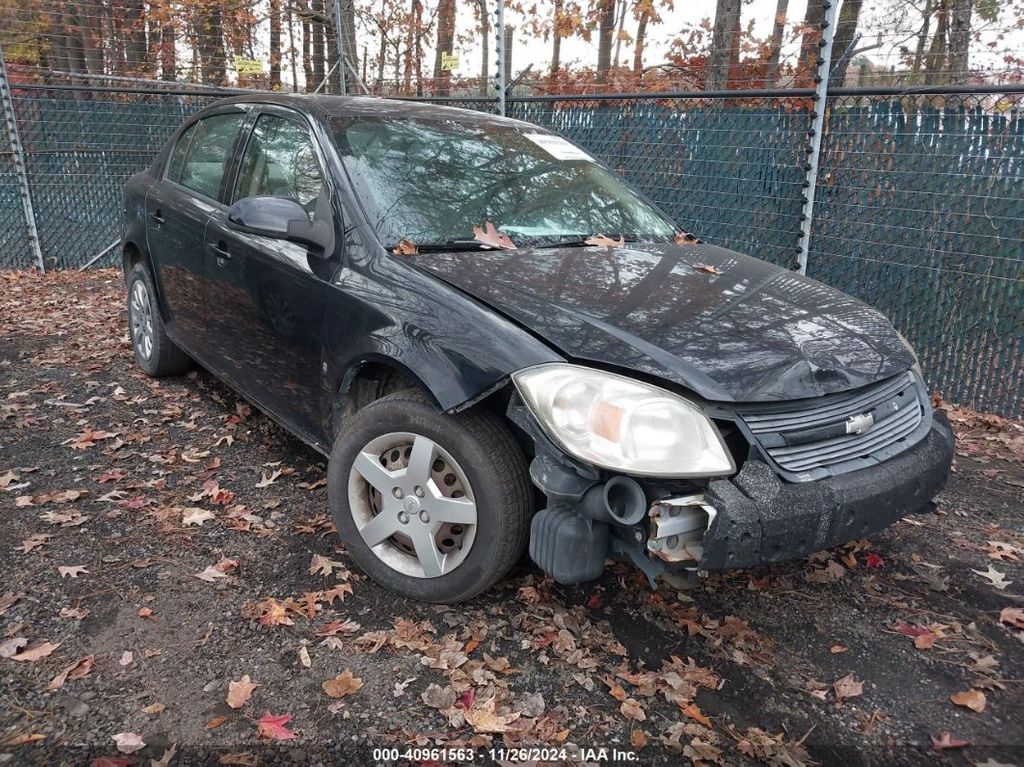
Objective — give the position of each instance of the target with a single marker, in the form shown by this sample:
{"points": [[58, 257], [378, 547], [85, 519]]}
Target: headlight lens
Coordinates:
{"points": [[621, 424]]}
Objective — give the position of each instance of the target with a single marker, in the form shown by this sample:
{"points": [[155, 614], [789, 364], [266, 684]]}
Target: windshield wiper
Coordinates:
{"points": [[445, 246], [576, 241]]}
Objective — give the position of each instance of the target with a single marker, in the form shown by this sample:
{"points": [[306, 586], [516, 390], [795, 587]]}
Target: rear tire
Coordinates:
{"points": [[155, 353], [473, 458]]}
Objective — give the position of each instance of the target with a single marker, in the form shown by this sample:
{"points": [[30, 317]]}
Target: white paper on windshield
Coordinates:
{"points": [[558, 147]]}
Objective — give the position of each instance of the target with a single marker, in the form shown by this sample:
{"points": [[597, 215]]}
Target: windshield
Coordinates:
{"points": [[433, 181]]}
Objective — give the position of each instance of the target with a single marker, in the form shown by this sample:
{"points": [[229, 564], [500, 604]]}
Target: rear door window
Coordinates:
{"points": [[203, 153]]}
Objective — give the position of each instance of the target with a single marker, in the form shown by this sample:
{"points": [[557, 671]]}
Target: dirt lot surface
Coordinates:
{"points": [[171, 583]]}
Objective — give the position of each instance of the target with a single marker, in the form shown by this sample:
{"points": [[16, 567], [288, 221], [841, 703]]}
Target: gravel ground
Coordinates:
{"points": [[164, 547]]}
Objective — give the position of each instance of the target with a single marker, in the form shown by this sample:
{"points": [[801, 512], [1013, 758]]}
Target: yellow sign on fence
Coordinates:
{"points": [[449, 61], [248, 66]]}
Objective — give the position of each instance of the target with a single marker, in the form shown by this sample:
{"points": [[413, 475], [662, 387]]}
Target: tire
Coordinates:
{"points": [[478, 448], [160, 357]]}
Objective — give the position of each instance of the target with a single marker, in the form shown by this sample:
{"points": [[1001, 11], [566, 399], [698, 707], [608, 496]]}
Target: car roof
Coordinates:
{"points": [[325, 107]]}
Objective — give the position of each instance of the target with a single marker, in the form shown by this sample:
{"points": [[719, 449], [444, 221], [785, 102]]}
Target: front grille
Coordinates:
{"points": [[810, 438]]}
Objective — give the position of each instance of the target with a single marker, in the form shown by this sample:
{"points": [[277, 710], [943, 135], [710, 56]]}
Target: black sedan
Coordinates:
{"points": [[500, 343]]}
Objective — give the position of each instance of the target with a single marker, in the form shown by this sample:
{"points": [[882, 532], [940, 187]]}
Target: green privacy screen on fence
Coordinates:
{"points": [[920, 200]]}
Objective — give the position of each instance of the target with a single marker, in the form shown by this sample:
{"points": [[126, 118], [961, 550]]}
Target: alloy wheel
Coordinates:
{"points": [[141, 319], [412, 504]]}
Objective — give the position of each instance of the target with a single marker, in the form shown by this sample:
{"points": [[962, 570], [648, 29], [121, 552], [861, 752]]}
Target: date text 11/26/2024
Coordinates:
{"points": [[505, 755]]}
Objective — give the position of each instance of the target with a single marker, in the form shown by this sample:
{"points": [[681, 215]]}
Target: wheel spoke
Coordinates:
{"points": [[420, 460], [378, 529], [455, 511], [427, 553], [369, 468]]}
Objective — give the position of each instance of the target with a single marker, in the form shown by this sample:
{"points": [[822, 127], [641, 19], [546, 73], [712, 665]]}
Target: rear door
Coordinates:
{"points": [[178, 207], [266, 291]]}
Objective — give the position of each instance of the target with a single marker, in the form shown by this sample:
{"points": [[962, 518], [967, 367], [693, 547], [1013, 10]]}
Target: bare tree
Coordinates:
{"points": [[771, 74], [723, 49], [605, 32], [445, 43]]}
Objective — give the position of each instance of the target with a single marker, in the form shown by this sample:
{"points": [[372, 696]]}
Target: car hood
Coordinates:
{"points": [[727, 326]]}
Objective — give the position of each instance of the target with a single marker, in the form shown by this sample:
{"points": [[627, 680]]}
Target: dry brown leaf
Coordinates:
{"points": [[685, 238], [76, 670], [35, 653], [482, 718], [196, 516], [405, 248], [691, 710], [606, 242], [1012, 616], [492, 238], [239, 692], [154, 708], [631, 709], [217, 721], [244, 759], [10, 647], [707, 268], [342, 685], [848, 687], [972, 699], [129, 742]]}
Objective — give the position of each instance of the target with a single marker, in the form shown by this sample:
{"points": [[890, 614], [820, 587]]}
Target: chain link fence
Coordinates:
{"points": [[919, 208]]}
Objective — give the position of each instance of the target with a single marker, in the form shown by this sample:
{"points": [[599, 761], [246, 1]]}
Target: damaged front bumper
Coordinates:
{"points": [[751, 519], [761, 519]]}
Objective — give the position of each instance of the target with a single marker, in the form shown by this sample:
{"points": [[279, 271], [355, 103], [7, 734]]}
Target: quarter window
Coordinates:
{"points": [[279, 161], [203, 152]]}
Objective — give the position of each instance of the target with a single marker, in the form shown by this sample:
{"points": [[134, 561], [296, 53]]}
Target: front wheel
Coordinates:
{"points": [[431, 506]]}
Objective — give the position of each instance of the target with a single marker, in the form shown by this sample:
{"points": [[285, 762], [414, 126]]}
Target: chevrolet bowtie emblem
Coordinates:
{"points": [[858, 424]]}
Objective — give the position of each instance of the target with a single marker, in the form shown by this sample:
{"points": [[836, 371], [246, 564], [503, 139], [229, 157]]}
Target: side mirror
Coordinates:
{"points": [[284, 219]]}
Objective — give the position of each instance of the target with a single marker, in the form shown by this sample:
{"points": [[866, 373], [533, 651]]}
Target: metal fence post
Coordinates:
{"points": [[817, 128], [339, 33], [499, 54], [18, 153]]}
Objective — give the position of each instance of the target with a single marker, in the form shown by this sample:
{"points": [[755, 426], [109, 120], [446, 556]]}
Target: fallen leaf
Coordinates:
{"points": [[72, 571], [1012, 616], [145, 612], [606, 242], [273, 727], [637, 739], [685, 238], [129, 742], [438, 697], [994, 577], [482, 718], [165, 760], [8, 600], [23, 739], [847, 687], [76, 670], [216, 722], [267, 481], [631, 709], [10, 647], [707, 268], [944, 741], [343, 684], [972, 699], [210, 574], [405, 248], [304, 658], [321, 565], [35, 653], [873, 560], [691, 710], [492, 238], [837, 648], [338, 627], [244, 759], [239, 692], [154, 708], [196, 516]]}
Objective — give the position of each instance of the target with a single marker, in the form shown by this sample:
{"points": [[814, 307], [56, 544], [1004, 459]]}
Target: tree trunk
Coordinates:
{"points": [[959, 41], [348, 28], [168, 54], [332, 50], [935, 63], [317, 31], [211, 46], [844, 41], [556, 38], [922, 37], [641, 37], [771, 74], [275, 44], [445, 42], [133, 20], [623, 6], [605, 32], [291, 49], [307, 40], [485, 49], [809, 47], [723, 50]]}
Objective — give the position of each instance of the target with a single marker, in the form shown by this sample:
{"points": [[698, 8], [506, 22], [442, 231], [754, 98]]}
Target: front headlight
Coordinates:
{"points": [[621, 424]]}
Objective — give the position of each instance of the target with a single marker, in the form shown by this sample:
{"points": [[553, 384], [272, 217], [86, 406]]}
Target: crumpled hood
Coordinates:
{"points": [[755, 332]]}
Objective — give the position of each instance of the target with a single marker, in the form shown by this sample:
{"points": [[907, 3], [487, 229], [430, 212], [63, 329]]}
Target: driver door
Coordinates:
{"points": [[269, 301]]}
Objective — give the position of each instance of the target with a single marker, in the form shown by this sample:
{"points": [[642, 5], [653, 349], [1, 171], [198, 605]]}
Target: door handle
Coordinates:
{"points": [[157, 216], [219, 249]]}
